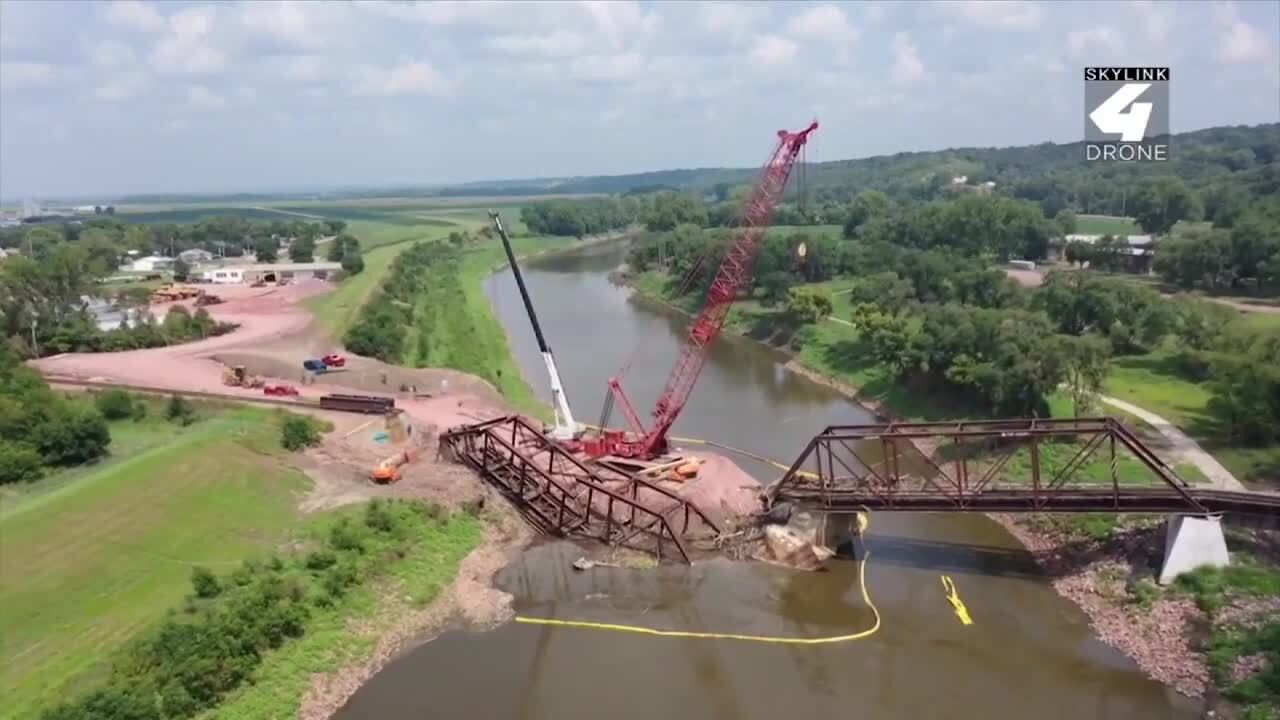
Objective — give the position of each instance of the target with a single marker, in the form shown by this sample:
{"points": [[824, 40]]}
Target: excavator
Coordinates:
{"points": [[387, 472]]}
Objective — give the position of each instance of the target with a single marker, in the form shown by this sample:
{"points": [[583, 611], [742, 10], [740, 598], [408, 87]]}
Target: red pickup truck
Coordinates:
{"points": [[333, 360]]}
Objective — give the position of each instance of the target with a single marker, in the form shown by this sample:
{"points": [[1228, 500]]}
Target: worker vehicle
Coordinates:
{"points": [[279, 390], [733, 275], [239, 377], [388, 471], [208, 299], [334, 360], [314, 365]]}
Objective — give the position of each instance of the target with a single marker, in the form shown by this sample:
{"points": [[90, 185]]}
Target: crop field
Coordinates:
{"points": [[192, 214], [1105, 225], [95, 559]]}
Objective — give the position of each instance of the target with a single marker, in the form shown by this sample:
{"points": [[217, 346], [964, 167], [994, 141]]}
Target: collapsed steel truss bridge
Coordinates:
{"points": [[561, 496]]}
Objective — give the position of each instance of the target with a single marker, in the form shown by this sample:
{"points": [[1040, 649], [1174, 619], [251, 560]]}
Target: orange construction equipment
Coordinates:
{"points": [[388, 471]]}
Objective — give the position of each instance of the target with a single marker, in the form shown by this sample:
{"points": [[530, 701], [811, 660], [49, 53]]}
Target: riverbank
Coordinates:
{"points": [[1091, 565]]}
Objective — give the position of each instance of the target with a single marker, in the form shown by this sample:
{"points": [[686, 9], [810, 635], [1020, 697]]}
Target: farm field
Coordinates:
{"points": [[1106, 225], [105, 553]]}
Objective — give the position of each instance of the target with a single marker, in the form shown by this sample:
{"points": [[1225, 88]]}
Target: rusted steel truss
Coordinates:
{"points": [[852, 466], [560, 495]]}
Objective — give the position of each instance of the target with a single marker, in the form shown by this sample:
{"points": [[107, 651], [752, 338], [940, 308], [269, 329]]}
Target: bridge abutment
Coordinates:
{"points": [[1190, 542]]}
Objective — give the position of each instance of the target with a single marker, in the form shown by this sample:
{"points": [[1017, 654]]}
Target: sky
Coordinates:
{"points": [[109, 98]]}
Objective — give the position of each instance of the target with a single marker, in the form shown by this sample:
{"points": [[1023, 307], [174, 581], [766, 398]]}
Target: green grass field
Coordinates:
{"points": [[1106, 225], [94, 557]]}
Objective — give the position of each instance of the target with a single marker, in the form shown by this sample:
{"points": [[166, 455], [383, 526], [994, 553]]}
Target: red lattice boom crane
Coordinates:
{"points": [[733, 275]]}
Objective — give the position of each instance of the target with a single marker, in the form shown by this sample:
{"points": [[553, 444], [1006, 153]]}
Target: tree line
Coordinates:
{"points": [[110, 239], [941, 319]]}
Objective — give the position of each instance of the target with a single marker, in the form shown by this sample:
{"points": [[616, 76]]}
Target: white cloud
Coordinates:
{"points": [[292, 22], [407, 79], [200, 97], [108, 54], [733, 21], [1155, 19], [608, 68], [1238, 41], [773, 50], [620, 20], [1080, 43], [18, 75], [560, 43], [135, 15], [120, 86], [996, 13], [495, 13], [822, 21], [187, 48], [299, 67], [907, 67]]}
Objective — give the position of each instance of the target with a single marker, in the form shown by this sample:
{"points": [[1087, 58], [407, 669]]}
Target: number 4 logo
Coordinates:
{"points": [[1111, 118]]}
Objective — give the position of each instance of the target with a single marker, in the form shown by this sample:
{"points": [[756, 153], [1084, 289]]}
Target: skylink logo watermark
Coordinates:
{"points": [[1126, 113]]}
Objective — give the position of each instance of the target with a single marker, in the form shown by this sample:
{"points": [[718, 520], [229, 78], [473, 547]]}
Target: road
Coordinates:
{"points": [[1181, 447]]}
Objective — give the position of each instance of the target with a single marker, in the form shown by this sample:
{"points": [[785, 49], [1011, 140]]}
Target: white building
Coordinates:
{"points": [[195, 255], [270, 272], [151, 263]]}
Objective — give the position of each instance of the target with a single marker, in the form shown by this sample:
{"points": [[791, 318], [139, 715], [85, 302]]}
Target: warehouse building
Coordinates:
{"points": [[270, 272]]}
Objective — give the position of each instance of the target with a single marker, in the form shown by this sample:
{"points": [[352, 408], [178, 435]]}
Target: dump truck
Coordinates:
{"points": [[239, 377], [388, 471]]}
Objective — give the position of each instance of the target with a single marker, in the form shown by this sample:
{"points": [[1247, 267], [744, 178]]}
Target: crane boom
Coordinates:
{"points": [[734, 273]]}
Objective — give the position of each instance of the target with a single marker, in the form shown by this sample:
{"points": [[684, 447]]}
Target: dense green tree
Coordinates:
{"points": [[266, 250], [1084, 360], [808, 304], [866, 205], [302, 249], [1160, 203]]}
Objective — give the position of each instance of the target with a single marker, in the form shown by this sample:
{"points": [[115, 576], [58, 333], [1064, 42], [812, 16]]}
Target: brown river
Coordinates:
{"points": [[1028, 653]]}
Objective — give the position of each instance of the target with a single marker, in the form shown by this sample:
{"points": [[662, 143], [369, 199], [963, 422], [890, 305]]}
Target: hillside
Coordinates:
{"points": [[1197, 157]]}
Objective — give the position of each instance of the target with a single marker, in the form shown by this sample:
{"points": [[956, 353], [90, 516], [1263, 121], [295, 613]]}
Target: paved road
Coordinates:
{"points": [[1182, 448]]}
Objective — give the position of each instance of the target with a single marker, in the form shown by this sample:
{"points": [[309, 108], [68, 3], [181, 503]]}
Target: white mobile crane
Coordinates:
{"points": [[564, 426]]}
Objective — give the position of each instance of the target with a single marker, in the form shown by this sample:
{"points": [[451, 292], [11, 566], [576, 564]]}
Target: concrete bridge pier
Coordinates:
{"points": [[839, 531], [1190, 542]]}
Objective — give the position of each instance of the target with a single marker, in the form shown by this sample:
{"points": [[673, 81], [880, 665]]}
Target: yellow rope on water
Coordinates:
{"points": [[953, 597], [863, 522]]}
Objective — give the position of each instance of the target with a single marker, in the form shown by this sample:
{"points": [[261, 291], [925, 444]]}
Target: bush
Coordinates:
{"points": [[343, 537], [114, 404], [19, 463], [320, 560], [297, 433], [377, 517], [205, 583], [73, 433], [179, 410]]}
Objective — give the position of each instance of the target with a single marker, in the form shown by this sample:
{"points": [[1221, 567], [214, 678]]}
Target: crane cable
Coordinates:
{"points": [[863, 520]]}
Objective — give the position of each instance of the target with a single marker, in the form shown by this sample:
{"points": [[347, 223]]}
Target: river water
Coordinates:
{"points": [[1028, 653]]}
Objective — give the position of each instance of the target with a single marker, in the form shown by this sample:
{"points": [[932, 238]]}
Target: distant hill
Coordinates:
{"points": [[1197, 157]]}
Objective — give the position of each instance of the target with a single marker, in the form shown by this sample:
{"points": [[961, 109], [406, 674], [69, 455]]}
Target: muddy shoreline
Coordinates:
{"points": [[469, 602], [1155, 638]]}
